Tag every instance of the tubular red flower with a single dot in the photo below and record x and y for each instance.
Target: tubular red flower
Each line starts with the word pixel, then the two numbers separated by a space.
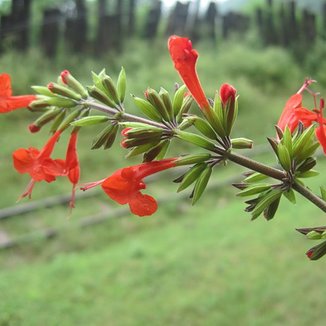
pixel 227 94
pixel 72 165
pixel 7 101
pixel 38 164
pixel 184 58
pixel 124 186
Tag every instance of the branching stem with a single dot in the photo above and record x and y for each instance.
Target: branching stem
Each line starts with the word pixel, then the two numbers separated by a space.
pixel 235 158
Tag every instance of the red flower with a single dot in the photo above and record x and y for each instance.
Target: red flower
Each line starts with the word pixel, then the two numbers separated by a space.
pixel 184 58
pixel 124 186
pixel 72 165
pixel 38 164
pixel 7 101
pixel 321 129
pixel 293 113
pixel 227 94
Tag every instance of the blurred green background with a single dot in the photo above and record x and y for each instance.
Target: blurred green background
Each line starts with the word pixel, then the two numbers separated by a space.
pixel 202 265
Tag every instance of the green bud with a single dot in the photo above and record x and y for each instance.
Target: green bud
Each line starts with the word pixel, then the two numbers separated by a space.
pixel 42 90
pixel 73 83
pixel 204 127
pixel 58 120
pixel 185 107
pixel 323 235
pixel 153 152
pixel 192 159
pixel 62 102
pixel 46 117
pixel 90 121
pixel 165 96
pixel 69 119
pixel 147 108
pixel 317 251
pixel 39 104
pixel 110 89
pixel 241 143
pixel 187 122
pixel 201 184
pixel 100 95
pixel 305 138
pixel 287 140
pixel 140 149
pixel 129 124
pixel 111 137
pixel 284 157
pixel 195 139
pixel 101 138
pixel 144 133
pixel 154 98
pixel 178 99
pixel 121 85
pixel 63 91
pixel 216 122
pixel 307 165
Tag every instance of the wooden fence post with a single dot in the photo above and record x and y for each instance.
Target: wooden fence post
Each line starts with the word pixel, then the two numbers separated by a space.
pixel 50 31
pixel 131 17
pixel 153 20
pixel 76 28
pixel 178 19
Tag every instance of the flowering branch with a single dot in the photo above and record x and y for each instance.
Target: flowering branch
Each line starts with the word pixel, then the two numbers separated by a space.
pixel 67 104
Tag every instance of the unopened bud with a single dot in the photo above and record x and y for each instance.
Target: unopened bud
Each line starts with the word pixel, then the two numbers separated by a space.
pixel 154 98
pixel 63 91
pixel 100 96
pixel 227 94
pixel 33 128
pixel 72 82
pixel 110 89
pixel 241 143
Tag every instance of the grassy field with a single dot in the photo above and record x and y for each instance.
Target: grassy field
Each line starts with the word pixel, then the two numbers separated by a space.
pixel 202 265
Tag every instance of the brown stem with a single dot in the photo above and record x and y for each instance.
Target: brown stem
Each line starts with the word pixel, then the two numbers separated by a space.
pixel 236 158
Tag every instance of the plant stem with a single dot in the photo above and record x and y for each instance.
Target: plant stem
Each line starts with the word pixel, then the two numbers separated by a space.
pixel 305 192
pixel 256 166
pixel 236 158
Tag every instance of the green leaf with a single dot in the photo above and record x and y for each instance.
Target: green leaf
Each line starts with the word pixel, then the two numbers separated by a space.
pixel 101 138
pixel 111 137
pixel 42 90
pixel 305 138
pixel 265 201
pixel 271 210
pixel 323 192
pixel 290 196
pixel 253 190
pixel 255 177
pixel 201 184
pixel 287 140
pixel 90 121
pixel 313 235
pixel 121 85
pixel 140 149
pixel 191 175
pixel 308 174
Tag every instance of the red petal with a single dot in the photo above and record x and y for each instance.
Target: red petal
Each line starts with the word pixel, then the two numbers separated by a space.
pixel 288 117
pixel 227 92
pixel 118 188
pixel 321 136
pixel 5 85
pixel 142 205
pixel 24 159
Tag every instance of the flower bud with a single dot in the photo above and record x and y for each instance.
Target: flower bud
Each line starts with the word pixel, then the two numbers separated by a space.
pixel 241 143
pixel 227 94
pixel 63 91
pixel 100 96
pixel 43 119
pixel 33 128
pixel 110 89
pixel 154 98
pixel 72 82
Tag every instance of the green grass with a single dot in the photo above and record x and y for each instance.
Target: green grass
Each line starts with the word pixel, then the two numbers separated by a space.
pixel 202 265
